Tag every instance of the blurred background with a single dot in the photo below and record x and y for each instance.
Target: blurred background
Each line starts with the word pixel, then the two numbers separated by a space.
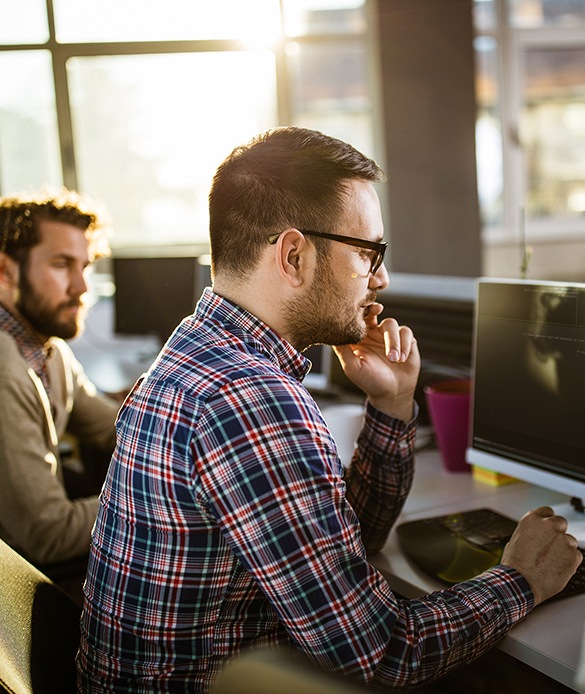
pixel 475 108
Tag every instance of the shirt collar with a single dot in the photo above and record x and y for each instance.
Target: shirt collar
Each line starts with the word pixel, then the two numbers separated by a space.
pixel 251 330
pixel 32 350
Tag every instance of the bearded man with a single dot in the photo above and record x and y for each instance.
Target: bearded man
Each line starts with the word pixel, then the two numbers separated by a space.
pixel 227 520
pixel 47 243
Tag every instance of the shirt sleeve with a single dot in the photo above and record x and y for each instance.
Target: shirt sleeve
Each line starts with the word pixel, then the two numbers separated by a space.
pixel 381 474
pixel 271 478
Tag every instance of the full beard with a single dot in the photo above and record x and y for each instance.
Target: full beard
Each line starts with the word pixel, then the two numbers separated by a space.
pixel 46 320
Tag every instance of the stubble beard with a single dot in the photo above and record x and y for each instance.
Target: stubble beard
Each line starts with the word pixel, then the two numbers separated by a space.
pixel 322 316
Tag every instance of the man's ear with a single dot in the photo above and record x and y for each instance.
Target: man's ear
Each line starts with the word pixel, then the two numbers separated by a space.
pixel 293 255
pixel 8 272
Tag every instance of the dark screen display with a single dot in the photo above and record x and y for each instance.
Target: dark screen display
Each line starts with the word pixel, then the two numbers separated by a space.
pixel 529 394
pixel 153 294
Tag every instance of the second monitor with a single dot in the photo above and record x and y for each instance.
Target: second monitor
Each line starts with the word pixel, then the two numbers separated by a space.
pixel 153 294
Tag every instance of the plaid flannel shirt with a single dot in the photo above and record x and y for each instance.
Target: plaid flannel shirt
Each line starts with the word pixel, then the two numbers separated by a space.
pixel 227 521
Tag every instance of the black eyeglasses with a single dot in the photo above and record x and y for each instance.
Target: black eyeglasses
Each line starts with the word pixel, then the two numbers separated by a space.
pixel 378 247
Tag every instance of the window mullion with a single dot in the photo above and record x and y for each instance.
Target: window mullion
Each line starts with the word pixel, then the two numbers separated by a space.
pixel 510 105
pixel 64 124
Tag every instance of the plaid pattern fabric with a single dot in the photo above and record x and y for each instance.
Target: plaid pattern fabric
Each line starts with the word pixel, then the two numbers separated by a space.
pixel 226 522
pixel 32 351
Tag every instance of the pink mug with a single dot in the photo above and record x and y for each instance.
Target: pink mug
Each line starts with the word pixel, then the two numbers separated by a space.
pixel 449 404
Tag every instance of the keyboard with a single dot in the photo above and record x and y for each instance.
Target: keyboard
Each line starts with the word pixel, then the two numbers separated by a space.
pixel 458 546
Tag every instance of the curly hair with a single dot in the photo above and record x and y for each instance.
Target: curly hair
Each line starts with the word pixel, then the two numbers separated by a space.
pixel 20 214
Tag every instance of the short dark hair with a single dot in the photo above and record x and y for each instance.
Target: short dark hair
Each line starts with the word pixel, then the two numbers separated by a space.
pixel 286 177
pixel 20 214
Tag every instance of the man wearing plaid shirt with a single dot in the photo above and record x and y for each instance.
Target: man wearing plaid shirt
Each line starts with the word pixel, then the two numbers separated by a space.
pixel 227 521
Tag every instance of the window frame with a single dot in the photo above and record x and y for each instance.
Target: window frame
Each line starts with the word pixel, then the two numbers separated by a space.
pixel 62 52
pixel 513 42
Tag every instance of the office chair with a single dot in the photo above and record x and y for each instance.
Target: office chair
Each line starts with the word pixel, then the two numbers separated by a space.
pixel 269 670
pixel 39 630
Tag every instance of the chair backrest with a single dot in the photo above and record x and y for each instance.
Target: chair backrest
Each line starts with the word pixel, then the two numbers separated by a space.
pixel 268 670
pixel 39 630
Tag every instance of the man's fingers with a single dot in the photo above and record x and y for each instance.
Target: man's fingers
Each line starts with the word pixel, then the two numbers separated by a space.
pixel 544 511
pixel 398 340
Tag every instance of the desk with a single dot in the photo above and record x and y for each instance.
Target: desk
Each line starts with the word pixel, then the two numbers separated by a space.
pixel 549 639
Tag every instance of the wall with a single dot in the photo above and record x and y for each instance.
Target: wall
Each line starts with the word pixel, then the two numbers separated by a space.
pixel 562 259
pixel 427 63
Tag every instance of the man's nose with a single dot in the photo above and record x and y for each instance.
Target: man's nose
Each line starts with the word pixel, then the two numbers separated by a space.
pixel 380 279
pixel 78 284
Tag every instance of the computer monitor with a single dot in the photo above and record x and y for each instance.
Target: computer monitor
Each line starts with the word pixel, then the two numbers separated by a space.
pixel 528 415
pixel 153 294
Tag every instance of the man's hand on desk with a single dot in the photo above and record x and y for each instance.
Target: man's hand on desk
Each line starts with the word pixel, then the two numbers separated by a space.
pixel 542 551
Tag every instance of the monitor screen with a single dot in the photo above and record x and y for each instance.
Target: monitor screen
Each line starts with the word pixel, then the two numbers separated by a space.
pixel 153 294
pixel 528 418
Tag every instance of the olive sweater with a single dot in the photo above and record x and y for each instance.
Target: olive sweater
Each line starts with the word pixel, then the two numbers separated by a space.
pixel 36 516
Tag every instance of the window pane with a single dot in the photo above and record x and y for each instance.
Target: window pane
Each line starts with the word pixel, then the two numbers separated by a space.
pixel 151 130
pixel 532 13
pixel 304 17
pixel 330 91
pixel 23 21
pixel 488 134
pixel 29 152
pixel 152 20
pixel 553 131
pixel 485 15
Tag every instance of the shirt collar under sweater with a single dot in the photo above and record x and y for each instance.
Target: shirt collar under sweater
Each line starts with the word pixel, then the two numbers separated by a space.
pixel 34 352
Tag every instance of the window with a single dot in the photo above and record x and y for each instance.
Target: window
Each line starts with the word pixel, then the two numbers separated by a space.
pixel 29 142
pixel 329 88
pixel 150 130
pixel 531 117
pixel 88 21
pixel 553 130
pixel 138 112
pixel 488 134
pixel 539 13
pixel 24 21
